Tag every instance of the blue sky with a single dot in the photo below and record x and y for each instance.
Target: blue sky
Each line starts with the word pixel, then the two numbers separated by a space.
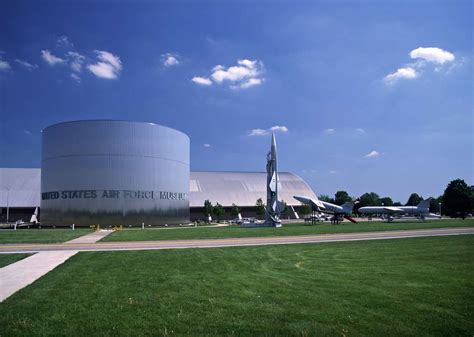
pixel 363 96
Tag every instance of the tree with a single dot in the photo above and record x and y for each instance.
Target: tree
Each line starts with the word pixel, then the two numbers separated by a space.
pixel 414 200
pixel 398 203
pixel 458 198
pixel 235 210
pixel 434 204
pixel 218 211
pixel 386 201
pixel 260 208
pixel 368 199
pixel 327 198
pixel 285 211
pixel 208 209
pixel 341 197
pixel 305 210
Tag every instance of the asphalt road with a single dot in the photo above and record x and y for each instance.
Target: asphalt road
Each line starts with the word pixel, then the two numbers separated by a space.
pixel 231 242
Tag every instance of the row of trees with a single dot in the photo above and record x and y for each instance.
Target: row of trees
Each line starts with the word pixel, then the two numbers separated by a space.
pixel 457 198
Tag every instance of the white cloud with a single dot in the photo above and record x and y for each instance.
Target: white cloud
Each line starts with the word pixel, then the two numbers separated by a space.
pixel 207 145
pixel 27 132
pixel 63 41
pixel 372 154
pixel 360 130
pixel 333 172
pixel 434 55
pixel 76 77
pixel 201 80
pixel 27 65
pixel 108 66
pixel 76 61
pixel 264 132
pixel 330 130
pixel 247 84
pixel 280 128
pixel 244 75
pixel 401 73
pixel 4 65
pixel 258 132
pixel 170 59
pixel 50 58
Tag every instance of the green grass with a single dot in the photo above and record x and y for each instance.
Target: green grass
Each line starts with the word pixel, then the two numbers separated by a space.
pixel 292 229
pixel 6 259
pixel 41 235
pixel 416 287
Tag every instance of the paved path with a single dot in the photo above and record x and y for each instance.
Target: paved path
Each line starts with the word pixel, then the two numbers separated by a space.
pixel 232 242
pixel 18 275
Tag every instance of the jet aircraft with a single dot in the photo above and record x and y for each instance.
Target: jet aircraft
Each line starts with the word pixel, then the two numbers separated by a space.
pixel 421 211
pixel 339 212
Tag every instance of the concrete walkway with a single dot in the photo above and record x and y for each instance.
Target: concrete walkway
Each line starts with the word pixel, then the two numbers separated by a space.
pixel 18 275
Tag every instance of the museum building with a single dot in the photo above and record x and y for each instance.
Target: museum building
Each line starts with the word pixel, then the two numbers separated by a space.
pixel 118 172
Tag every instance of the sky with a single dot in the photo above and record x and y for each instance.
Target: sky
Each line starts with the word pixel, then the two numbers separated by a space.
pixel 363 96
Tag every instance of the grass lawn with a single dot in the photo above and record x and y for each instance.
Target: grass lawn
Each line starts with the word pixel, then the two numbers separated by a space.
pixel 291 229
pixel 6 259
pixel 40 235
pixel 417 287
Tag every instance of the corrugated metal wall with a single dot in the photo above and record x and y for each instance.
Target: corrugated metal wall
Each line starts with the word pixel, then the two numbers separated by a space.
pixel 127 164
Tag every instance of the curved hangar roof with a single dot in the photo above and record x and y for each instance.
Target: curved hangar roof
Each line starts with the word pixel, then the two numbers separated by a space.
pixel 226 188
pixel 242 188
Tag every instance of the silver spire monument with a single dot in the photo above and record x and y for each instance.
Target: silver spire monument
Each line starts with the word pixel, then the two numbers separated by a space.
pixel 273 209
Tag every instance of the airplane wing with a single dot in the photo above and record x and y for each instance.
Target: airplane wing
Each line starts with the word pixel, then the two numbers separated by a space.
pixel 314 203
pixel 393 209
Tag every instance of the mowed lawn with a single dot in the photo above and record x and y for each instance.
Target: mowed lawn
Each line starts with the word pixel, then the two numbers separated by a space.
pixel 416 287
pixel 288 229
pixel 43 235
pixel 6 259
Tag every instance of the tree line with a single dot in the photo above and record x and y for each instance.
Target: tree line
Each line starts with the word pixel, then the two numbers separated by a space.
pixel 457 199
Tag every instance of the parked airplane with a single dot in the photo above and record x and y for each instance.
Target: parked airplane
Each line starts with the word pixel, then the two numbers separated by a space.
pixel 339 212
pixel 422 210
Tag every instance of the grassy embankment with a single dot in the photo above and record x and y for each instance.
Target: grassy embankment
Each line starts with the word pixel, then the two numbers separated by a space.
pixel 417 287
pixel 42 235
pixel 6 259
pixel 288 229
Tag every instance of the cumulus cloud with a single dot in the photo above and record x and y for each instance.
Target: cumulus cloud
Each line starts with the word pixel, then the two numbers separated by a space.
pixel 25 64
pixel 170 60
pixel 279 128
pixel 108 66
pixel 76 61
pixel 258 132
pixel 50 58
pixel 63 41
pixel 422 57
pixel 401 73
pixel 434 55
pixel 264 132
pixel 4 65
pixel 201 80
pixel 330 130
pixel 207 145
pixel 244 75
pixel 372 154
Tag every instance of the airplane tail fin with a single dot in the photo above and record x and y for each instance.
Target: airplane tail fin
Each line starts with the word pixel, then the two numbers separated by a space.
pixel 424 204
pixel 348 206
